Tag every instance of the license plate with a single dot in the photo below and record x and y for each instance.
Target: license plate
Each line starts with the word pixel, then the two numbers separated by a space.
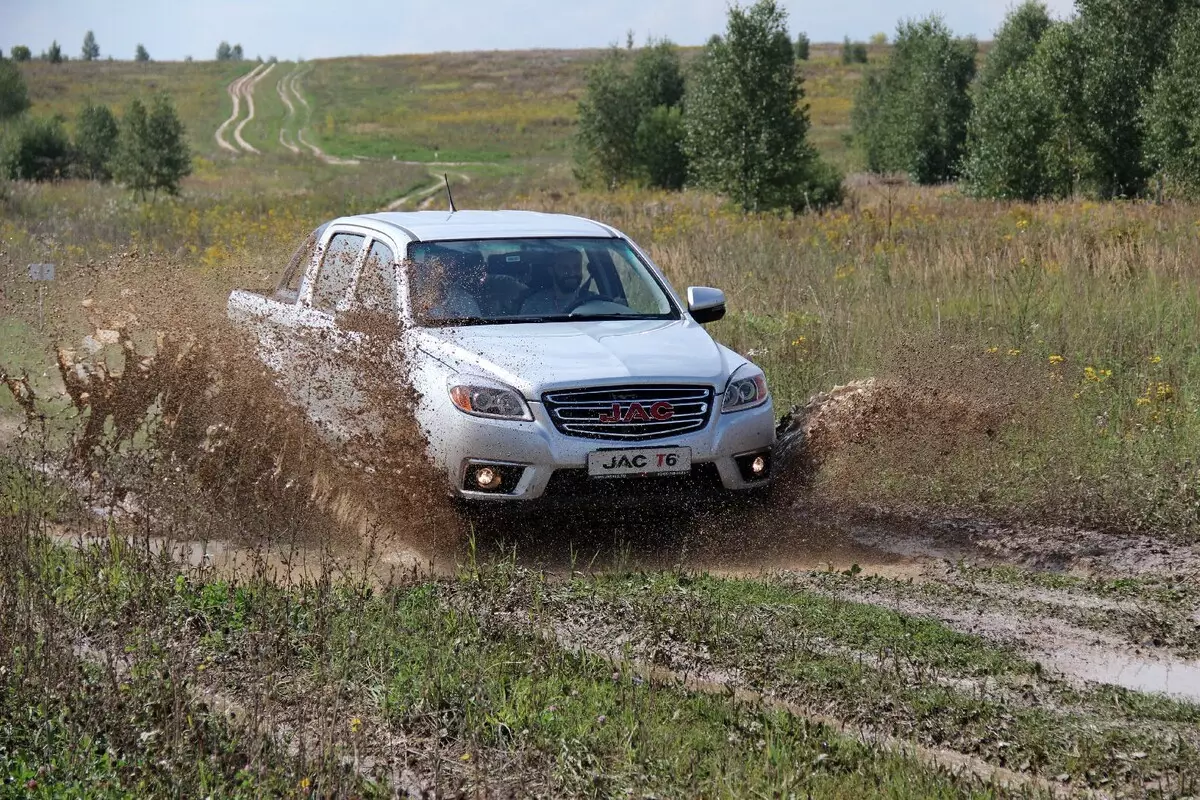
pixel 642 461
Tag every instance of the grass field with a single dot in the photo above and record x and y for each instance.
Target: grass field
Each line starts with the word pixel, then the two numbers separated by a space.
pixel 1039 368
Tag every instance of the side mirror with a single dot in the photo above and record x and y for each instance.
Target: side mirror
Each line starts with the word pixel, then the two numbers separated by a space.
pixel 705 304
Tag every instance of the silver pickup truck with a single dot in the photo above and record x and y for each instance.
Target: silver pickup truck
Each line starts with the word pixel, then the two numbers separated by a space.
pixel 549 356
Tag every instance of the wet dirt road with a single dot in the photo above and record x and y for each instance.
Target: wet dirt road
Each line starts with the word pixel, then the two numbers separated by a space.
pixel 942 570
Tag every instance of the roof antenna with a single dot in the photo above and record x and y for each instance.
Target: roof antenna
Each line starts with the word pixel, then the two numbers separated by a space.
pixel 449 194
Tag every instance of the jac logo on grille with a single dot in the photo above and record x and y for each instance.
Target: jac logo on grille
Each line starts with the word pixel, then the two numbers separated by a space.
pixel 636 412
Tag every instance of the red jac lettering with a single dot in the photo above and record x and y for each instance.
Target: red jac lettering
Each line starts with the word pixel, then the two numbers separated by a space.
pixel 636 412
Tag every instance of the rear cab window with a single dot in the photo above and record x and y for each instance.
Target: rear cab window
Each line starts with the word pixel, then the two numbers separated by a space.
pixel 338 266
pixel 376 289
pixel 292 280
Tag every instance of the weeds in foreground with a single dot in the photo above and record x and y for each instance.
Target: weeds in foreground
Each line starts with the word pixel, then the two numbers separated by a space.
pixel 126 674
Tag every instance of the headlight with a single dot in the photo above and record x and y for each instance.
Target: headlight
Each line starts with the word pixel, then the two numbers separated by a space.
pixel 745 392
pixel 484 398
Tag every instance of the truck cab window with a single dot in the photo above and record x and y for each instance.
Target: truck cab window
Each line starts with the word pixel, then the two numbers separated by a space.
pixel 376 289
pixel 288 290
pixel 337 270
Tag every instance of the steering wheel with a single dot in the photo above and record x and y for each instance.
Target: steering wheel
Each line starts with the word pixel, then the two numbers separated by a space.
pixel 590 298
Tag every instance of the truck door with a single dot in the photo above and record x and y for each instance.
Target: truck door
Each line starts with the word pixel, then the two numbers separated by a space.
pixel 312 371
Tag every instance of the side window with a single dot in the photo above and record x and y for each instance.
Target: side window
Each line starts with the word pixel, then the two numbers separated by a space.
pixel 337 270
pixel 288 289
pixel 376 289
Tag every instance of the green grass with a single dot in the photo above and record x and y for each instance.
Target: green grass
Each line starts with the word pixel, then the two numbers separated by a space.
pixel 893 673
pixel 482 702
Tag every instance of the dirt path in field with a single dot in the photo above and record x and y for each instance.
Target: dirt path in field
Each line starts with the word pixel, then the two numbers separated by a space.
pixel 427 195
pixel 285 94
pixel 293 86
pixel 248 94
pixel 236 91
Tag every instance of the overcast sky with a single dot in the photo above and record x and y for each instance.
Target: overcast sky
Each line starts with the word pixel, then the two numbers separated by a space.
pixel 172 29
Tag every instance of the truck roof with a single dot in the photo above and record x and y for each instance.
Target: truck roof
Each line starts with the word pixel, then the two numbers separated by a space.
pixel 433 226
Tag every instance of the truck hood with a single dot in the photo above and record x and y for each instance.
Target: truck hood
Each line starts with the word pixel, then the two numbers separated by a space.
pixel 537 357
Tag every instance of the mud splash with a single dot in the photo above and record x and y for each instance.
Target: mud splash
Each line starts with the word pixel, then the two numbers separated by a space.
pixel 166 401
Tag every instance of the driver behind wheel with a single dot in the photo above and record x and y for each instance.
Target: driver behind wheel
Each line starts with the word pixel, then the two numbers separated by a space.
pixel 564 291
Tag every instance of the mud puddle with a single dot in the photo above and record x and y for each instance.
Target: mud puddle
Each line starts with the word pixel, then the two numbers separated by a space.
pixel 733 544
pixel 278 563
pixel 1044 548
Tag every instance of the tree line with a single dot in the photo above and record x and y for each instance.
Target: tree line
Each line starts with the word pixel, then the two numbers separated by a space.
pixel 1104 104
pixel 146 150
pixel 90 51
pixel 735 122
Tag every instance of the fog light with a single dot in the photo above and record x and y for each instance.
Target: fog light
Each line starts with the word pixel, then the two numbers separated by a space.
pixel 759 465
pixel 488 478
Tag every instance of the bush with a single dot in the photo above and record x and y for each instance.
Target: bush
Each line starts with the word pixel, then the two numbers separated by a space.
pixel 14 97
pixel 657 78
pixel 1123 41
pixel 1016 41
pixel 1172 112
pixel 803 47
pixel 141 54
pixel 1009 126
pixel 224 52
pixel 854 52
pixel 660 147
pixel 54 55
pixel 1021 132
pixel 618 141
pixel 152 153
pixel 96 135
pixel 747 126
pixel 21 53
pixel 608 121
pixel 91 50
pixel 912 117
pixel 36 150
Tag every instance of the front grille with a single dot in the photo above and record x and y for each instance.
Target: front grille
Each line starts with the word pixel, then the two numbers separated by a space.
pixel 630 413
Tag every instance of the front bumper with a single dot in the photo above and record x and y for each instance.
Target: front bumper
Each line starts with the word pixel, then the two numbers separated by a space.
pixel 551 464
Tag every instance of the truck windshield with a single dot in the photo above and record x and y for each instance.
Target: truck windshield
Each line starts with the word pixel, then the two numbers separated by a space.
pixel 497 281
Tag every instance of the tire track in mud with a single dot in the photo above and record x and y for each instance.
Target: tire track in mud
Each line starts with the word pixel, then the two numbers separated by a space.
pixel 425 194
pixel 286 96
pixel 954 761
pixel 293 86
pixel 293 99
pixel 248 94
pixel 235 95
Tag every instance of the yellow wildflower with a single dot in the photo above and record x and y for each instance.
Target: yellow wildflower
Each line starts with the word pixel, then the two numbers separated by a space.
pixel 1155 359
pixel 1022 224
pixel 355 725
pixel 993 350
pixel 1056 359
pixel 465 757
pixel 1143 401
pixel 1012 351
pixel 303 784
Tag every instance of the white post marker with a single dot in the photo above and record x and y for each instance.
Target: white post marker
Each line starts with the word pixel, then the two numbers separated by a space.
pixel 42 273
